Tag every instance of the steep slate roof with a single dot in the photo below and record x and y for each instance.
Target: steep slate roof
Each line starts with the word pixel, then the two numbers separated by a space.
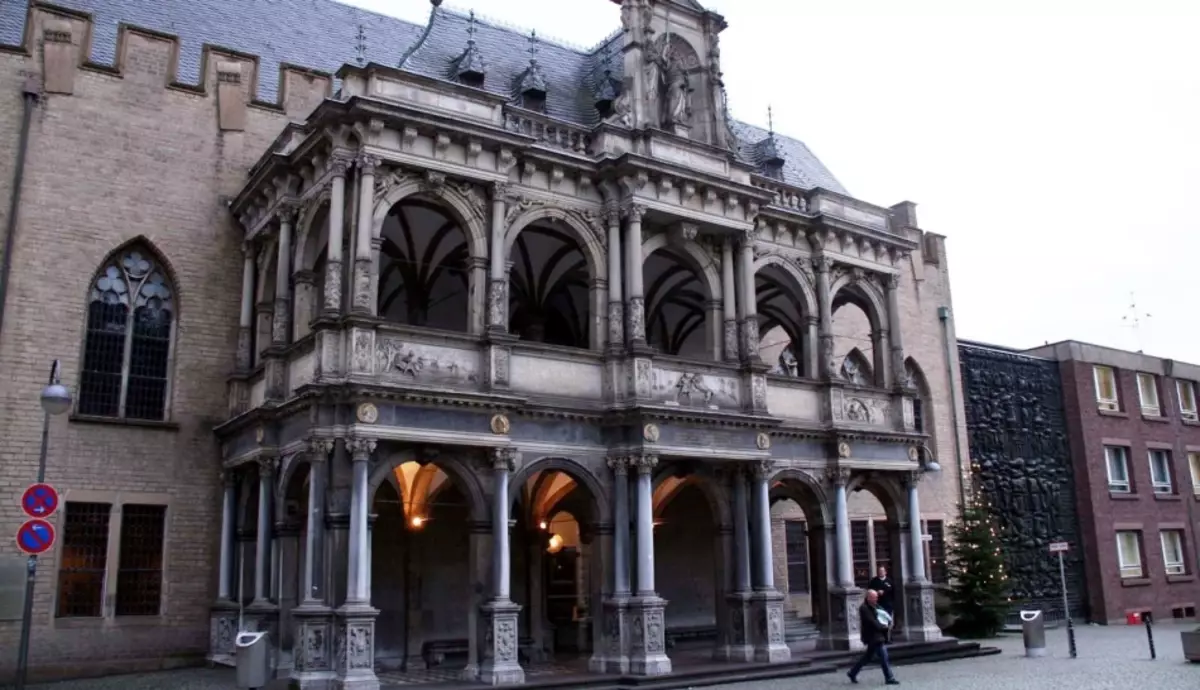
pixel 322 34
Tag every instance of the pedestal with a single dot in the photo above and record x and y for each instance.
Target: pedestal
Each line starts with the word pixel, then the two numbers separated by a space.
pixel 739 646
pixel 768 638
pixel 647 644
pixel 843 632
pixel 499 664
pixel 920 613
pixel 312 653
pixel 222 629
pixel 612 653
pixel 354 648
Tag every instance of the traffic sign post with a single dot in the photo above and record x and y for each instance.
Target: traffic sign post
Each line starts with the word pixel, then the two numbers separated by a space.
pixel 35 536
pixel 1061 547
pixel 39 501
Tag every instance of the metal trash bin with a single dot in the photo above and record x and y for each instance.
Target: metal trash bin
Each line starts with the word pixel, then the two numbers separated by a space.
pixel 1033 629
pixel 253 654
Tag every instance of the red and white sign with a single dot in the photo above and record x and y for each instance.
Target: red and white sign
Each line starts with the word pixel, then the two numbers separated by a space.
pixel 1059 547
pixel 35 536
pixel 39 501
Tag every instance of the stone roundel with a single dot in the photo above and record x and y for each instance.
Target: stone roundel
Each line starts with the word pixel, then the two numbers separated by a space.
pixel 650 433
pixel 913 453
pixel 843 449
pixel 500 424
pixel 367 413
pixel 763 440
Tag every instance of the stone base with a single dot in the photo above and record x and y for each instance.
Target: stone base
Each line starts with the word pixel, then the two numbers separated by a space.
pixel 647 648
pixel 738 643
pixel 611 653
pixel 312 653
pixel 843 633
pixel 354 648
pixel 768 635
pixel 222 629
pixel 920 614
pixel 499 664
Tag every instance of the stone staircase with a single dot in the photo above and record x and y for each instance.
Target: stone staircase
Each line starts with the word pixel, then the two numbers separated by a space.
pixel 797 629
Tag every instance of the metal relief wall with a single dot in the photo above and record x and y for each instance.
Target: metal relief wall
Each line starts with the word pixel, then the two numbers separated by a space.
pixel 1017 436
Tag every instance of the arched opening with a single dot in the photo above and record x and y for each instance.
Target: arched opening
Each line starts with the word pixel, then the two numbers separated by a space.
pixel 557 575
pixel 549 287
pixel 877 524
pixel 264 304
pixel 856 368
pixel 783 322
pixel 801 566
pixel 424 278
pixel 857 337
pixel 922 412
pixel 291 535
pixel 675 305
pixel 420 574
pixel 688 558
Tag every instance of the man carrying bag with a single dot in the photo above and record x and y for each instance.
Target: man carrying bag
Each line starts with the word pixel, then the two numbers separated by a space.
pixel 875 630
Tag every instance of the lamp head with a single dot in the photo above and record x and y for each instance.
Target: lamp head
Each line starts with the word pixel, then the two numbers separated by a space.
pixel 56 399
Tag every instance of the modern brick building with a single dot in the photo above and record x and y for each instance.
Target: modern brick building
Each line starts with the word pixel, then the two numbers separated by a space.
pixel 1135 445
pixel 380 334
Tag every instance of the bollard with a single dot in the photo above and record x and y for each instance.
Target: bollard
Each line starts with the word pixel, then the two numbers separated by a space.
pixel 1149 634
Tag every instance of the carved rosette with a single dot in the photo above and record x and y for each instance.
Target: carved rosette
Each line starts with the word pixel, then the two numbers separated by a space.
pixel 498 304
pixel 616 323
pixel 731 340
pixel 637 319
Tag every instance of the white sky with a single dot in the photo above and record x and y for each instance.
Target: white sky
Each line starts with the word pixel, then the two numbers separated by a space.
pixel 1055 143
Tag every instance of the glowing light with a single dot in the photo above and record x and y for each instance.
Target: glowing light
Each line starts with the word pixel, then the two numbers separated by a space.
pixel 543 525
pixel 417 521
pixel 555 545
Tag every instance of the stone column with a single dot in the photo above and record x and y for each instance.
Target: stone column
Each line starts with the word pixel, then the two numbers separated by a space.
pixel 739 646
pixel 499 664
pixel 312 663
pixel 332 299
pixel 811 366
pixel 828 369
pixel 354 644
pixel 729 302
pixel 497 255
pixel 364 301
pixel 303 303
pixel 281 321
pixel 611 653
pixel 897 343
pixel 635 329
pixel 767 603
pixel 920 615
pixel 616 308
pixel 647 655
pixel 245 343
pixel 262 548
pixel 223 620
pixel 882 364
pixel 747 301
pixel 844 597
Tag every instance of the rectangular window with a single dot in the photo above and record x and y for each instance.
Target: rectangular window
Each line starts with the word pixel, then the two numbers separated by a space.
pixel 1106 387
pixel 796 541
pixel 83 560
pixel 1194 464
pixel 860 547
pixel 883 547
pixel 1160 471
pixel 1172 546
pixel 139 575
pixel 1187 400
pixel 1148 394
pixel 935 552
pixel 1117 459
pixel 1129 553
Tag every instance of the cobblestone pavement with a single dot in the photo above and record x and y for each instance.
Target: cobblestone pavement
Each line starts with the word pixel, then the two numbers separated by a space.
pixel 1115 657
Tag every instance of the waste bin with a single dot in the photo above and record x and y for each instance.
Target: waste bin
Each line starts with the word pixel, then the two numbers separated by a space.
pixel 252 650
pixel 1033 629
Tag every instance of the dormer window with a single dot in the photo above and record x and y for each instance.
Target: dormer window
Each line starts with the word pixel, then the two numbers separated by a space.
pixel 531 88
pixel 534 100
pixel 468 67
pixel 472 79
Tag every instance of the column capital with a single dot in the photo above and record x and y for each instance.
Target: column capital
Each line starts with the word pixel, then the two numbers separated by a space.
pixel 879 333
pixel 821 263
pixel 837 476
pixel 249 250
pixel 499 190
pixel 267 464
pixel 503 459
pixel 912 479
pixel 762 469
pixel 287 210
pixel 748 238
pixel 645 463
pixel 619 464
pixel 368 163
pixel 361 448
pixel 320 448
pixel 634 212
pixel 340 162
pixel 891 281
pixel 611 214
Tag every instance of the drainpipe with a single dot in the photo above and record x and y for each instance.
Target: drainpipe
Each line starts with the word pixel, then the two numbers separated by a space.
pixel 944 317
pixel 30 92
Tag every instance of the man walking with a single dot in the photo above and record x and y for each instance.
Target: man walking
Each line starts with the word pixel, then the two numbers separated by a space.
pixel 873 630
pixel 883 584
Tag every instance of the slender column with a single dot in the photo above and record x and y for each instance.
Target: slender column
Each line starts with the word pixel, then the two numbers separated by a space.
pixel 332 299
pixel 357 591
pixel 747 301
pixel 281 322
pixel 314 539
pixel 262 551
pixel 228 526
pixel 245 356
pixel 636 328
pixel 741 536
pixel 765 581
pixel 364 300
pixel 616 311
pixel 497 273
pixel 916 547
pixel 729 301
pixel 845 562
pixel 502 464
pixel 821 266
pixel 897 344
pixel 811 366
pixel 645 525
pixel 620 470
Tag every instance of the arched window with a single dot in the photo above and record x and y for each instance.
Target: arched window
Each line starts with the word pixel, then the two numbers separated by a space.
pixel 127 347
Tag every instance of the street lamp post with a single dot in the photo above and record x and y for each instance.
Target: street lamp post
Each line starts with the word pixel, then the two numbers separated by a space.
pixel 56 399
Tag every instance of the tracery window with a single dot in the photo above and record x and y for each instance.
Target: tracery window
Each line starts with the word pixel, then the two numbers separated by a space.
pixel 128 342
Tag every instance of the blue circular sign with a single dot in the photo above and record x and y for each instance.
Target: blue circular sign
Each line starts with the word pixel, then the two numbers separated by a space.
pixel 35 536
pixel 39 501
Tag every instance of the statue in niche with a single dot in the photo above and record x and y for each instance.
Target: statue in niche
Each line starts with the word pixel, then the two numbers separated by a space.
pixel 678 98
pixel 852 372
pixel 788 364
pixel 655 69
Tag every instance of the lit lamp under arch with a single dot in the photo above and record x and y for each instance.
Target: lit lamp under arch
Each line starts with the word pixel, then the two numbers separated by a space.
pixel 555 544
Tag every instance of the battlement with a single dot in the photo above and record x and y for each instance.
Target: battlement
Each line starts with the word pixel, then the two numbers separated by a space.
pixel 60 40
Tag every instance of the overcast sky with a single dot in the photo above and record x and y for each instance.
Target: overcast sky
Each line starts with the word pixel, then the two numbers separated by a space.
pixel 1055 143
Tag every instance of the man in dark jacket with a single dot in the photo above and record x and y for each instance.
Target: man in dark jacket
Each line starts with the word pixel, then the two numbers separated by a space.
pixel 874 634
pixel 883 584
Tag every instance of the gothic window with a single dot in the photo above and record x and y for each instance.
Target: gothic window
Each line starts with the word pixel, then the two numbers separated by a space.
pixel 128 344
pixel 781 321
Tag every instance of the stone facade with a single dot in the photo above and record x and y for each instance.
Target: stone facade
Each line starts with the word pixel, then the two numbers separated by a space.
pixel 415 413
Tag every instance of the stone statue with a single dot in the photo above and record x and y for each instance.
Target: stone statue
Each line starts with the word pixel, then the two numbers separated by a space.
pixel 678 96
pixel 656 65
pixel 622 112
pixel 787 362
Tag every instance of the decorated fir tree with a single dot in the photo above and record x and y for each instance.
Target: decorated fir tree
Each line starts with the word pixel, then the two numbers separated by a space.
pixel 978 584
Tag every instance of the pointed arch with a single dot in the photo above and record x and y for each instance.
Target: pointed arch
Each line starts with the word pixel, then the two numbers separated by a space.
pixel 923 406
pixel 856 368
pixel 129 335
pixel 457 469
pixel 785 303
pixel 851 288
pixel 312 232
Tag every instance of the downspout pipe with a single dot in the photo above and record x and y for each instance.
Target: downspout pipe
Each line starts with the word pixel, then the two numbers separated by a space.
pixel 30 93
pixel 944 317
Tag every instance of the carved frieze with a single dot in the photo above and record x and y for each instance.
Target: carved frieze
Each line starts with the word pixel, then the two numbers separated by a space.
pixel 694 389
pixel 398 360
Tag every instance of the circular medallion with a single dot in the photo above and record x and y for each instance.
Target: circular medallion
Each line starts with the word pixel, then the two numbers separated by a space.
pixel 500 424
pixel 367 413
pixel 913 453
pixel 763 441
pixel 259 434
pixel 650 433
pixel 843 450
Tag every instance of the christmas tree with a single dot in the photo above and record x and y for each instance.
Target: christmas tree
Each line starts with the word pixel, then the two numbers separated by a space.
pixel 978 584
